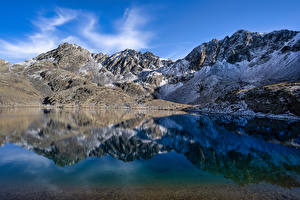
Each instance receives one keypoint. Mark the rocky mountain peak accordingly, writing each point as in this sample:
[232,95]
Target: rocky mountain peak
[66,45]
[149,54]
[99,57]
[131,52]
[241,46]
[238,62]
[131,61]
[241,61]
[67,56]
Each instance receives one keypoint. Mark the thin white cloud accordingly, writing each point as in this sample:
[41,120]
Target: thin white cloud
[41,41]
[51,32]
[128,33]
[35,44]
[62,17]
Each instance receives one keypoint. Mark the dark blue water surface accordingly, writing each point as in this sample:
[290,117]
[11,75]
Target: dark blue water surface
[58,148]
[23,166]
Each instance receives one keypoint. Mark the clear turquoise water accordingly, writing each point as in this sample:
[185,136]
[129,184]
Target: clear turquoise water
[57,149]
[22,166]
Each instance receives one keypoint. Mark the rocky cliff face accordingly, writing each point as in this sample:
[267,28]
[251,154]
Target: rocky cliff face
[70,75]
[130,61]
[243,61]
[129,71]
[274,99]
[241,46]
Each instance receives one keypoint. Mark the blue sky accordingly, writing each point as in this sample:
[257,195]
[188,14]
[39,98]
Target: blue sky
[168,28]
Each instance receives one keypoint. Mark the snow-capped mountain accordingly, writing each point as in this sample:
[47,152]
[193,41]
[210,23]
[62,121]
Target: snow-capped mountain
[244,60]
[210,72]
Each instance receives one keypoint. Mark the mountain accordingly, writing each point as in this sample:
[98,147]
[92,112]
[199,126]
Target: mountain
[218,76]
[244,60]
[68,75]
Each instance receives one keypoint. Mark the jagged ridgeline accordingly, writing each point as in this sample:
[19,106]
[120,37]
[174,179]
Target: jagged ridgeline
[221,75]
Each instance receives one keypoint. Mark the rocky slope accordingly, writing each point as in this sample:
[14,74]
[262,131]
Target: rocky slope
[14,87]
[244,60]
[276,99]
[120,70]
[208,76]
[58,78]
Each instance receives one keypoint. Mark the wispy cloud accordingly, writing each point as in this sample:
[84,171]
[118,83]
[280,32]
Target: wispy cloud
[128,33]
[62,17]
[42,40]
[50,32]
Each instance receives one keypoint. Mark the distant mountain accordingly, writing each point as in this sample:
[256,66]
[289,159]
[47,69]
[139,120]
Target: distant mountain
[220,76]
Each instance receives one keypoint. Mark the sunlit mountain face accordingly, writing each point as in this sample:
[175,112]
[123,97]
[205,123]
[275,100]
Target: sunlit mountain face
[95,149]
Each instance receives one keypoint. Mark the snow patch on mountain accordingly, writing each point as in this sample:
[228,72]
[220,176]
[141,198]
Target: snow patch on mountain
[267,66]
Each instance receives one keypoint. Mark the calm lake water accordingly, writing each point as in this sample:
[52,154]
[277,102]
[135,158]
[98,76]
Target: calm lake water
[119,154]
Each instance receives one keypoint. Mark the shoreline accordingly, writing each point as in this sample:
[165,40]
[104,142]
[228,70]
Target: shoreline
[217,191]
[95,107]
[191,109]
[285,117]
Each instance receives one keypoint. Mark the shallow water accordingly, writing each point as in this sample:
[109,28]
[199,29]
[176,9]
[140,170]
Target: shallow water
[117,154]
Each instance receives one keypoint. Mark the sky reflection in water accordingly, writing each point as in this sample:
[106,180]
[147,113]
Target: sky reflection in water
[106,148]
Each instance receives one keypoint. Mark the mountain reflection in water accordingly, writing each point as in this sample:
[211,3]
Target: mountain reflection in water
[244,150]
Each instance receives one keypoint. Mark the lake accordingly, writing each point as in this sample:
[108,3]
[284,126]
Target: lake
[122,154]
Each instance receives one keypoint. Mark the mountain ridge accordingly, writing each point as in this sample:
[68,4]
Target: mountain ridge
[242,61]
